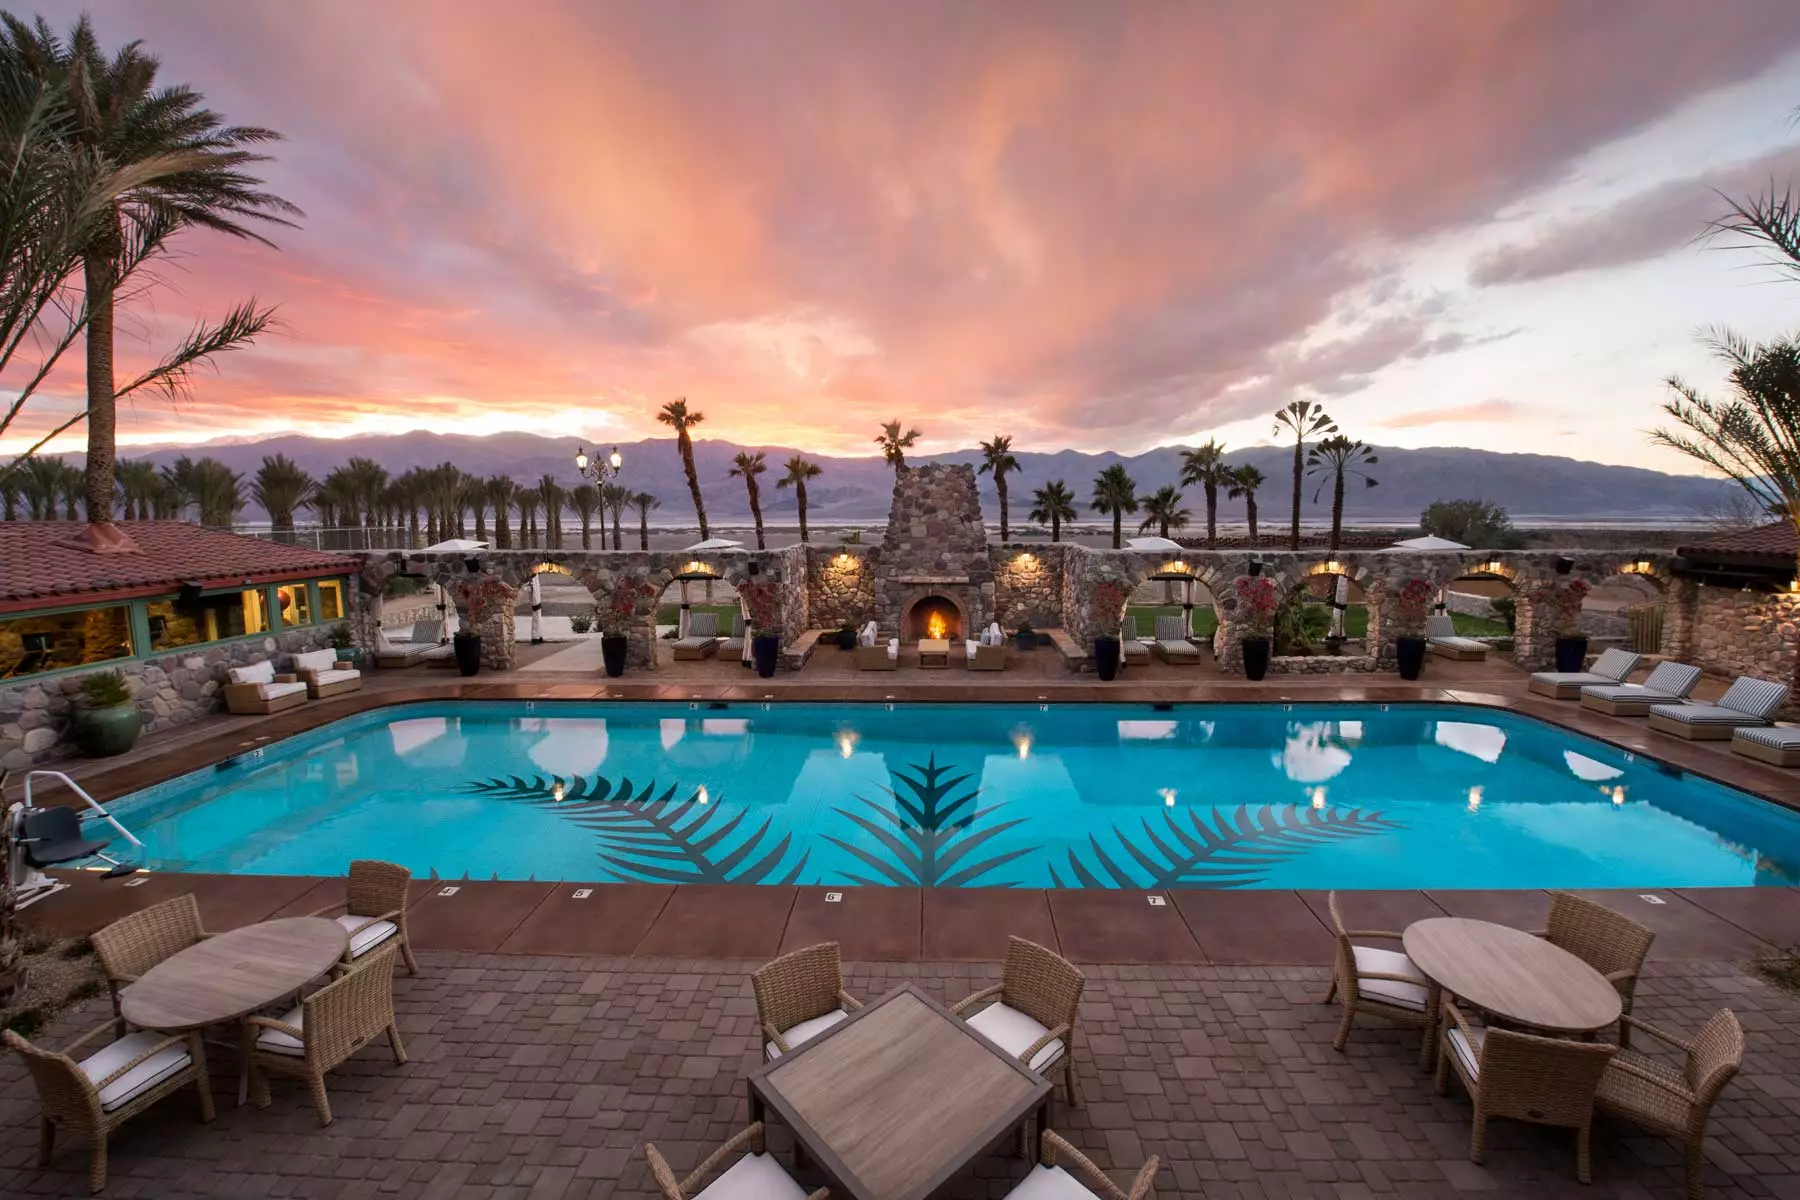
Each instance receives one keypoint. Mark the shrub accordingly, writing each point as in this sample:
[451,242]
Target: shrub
[581,622]
[1506,609]
[105,689]
[340,636]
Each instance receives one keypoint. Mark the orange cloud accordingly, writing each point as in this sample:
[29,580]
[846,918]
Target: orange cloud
[1483,412]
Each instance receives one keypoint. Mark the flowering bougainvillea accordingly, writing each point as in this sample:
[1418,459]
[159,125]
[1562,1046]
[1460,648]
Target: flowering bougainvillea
[1256,602]
[1412,604]
[1109,597]
[761,604]
[1565,607]
[620,612]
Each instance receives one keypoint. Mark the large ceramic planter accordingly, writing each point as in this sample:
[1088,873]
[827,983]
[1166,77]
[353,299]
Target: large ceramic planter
[468,652]
[1025,639]
[1411,653]
[352,655]
[846,639]
[1106,657]
[612,652]
[1256,657]
[104,732]
[765,652]
[1571,652]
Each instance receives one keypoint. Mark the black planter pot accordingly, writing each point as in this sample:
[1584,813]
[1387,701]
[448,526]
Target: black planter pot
[1411,653]
[765,652]
[846,639]
[468,652]
[1106,657]
[1025,639]
[1256,657]
[1571,652]
[612,652]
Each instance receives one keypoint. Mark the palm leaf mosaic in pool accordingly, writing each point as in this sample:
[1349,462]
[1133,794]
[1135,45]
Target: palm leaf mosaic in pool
[1211,848]
[646,835]
[930,833]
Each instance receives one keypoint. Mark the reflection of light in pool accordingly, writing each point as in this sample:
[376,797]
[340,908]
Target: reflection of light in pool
[846,742]
[1168,795]
[1022,743]
[1475,794]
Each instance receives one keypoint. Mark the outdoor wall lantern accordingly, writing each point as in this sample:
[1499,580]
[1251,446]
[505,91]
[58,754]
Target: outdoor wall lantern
[1564,564]
[1254,567]
[471,564]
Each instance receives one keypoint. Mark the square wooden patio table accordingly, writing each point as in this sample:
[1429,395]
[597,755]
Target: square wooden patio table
[934,652]
[895,1101]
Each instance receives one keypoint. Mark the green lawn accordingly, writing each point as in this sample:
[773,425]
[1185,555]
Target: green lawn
[1356,621]
[670,614]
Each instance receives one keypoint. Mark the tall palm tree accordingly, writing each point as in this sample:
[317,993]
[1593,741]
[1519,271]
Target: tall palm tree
[1304,419]
[502,494]
[1163,510]
[895,444]
[280,487]
[217,492]
[799,470]
[997,459]
[409,496]
[553,495]
[1115,492]
[644,502]
[584,498]
[747,466]
[1244,482]
[527,501]
[473,495]
[40,485]
[617,498]
[137,484]
[9,497]
[1205,466]
[675,414]
[1053,504]
[368,479]
[1336,458]
[122,117]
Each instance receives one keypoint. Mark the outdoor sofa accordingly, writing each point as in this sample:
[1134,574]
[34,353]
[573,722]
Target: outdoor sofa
[1667,683]
[323,676]
[1442,638]
[1747,702]
[871,655]
[987,652]
[414,651]
[1613,667]
[256,690]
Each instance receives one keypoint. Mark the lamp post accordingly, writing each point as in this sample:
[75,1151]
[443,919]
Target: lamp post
[598,469]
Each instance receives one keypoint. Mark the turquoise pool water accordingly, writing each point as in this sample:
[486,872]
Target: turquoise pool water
[1128,796]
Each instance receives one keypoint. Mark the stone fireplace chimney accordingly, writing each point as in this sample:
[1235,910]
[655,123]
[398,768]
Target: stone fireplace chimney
[935,548]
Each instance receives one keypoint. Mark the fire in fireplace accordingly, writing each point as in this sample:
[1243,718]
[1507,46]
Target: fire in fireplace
[933,617]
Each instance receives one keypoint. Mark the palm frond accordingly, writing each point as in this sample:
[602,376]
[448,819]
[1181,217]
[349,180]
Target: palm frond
[930,834]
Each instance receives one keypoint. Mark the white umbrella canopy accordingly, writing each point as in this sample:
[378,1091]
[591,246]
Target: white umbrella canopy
[455,546]
[717,544]
[1425,543]
[1153,543]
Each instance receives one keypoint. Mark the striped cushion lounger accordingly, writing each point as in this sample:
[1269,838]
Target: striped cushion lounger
[1172,645]
[1668,683]
[1778,745]
[1746,702]
[1611,668]
[702,640]
[1440,634]
[1131,648]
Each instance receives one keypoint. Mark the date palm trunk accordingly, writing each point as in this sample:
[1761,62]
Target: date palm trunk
[1000,490]
[1337,511]
[1212,515]
[1299,470]
[800,499]
[686,445]
[97,269]
[1250,516]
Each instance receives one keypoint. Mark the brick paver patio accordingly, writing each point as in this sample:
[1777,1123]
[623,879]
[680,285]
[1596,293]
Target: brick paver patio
[542,1077]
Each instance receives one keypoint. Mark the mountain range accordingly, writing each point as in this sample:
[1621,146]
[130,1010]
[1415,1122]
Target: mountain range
[1529,486]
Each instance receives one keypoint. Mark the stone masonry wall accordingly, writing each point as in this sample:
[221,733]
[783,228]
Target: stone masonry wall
[935,544]
[840,586]
[1028,586]
[1746,633]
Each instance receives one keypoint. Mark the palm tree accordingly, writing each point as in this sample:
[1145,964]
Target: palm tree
[747,466]
[502,494]
[895,444]
[1205,466]
[584,498]
[9,497]
[644,502]
[281,487]
[676,415]
[997,458]
[553,495]
[1304,419]
[40,484]
[472,491]
[216,490]
[617,498]
[1243,482]
[121,117]
[1163,510]
[527,501]
[408,492]
[137,484]
[1053,504]
[1773,219]
[1115,492]
[1335,458]
[799,470]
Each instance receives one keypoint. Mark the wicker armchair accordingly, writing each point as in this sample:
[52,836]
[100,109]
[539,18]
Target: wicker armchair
[329,1026]
[1048,1179]
[374,910]
[97,1094]
[799,996]
[1034,1011]
[1523,1077]
[1610,942]
[132,945]
[1382,983]
[1676,1103]
[756,1176]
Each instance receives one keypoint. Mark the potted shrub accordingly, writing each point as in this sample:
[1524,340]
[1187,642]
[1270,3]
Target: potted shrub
[1256,607]
[105,721]
[758,597]
[1412,603]
[467,647]
[345,645]
[846,637]
[1109,602]
[1571,642]
[1026,637]
[616,620]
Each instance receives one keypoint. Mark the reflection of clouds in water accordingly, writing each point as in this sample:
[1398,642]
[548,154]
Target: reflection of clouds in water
[725,726]
[673,730]
[568,746]
[428,741]
[1477,741]
[1312,755]
[1583,767]
[1146,731]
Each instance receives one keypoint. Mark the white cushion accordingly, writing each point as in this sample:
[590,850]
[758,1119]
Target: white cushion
[139,1079]
[277,1042]
[1373,961]
[1468,1055]
[1014,1032]
[867,636]
[338,676]
[275,691]
[257,672]
[315,660]
[805,1031]
[1050,1183]
[383,643]
[753,1177]
[893,647]
[370,934]
[973,646]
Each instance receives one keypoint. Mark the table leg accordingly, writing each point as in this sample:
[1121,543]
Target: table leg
[755,1102]
[246,1040]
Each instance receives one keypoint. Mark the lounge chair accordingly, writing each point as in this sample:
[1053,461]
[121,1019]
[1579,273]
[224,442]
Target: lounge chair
[323,676]
[1382,983]
[414,651]
[1613,667]
[732,645]
[1172,644]
[988,652]
[1667,683]
[702,640]
[373,910]
[1048,1181]
[755,1176]
[799,996]
[871,655]
[1777,745]
[256,689]
[1746,702]
[1675,1101]
[1132,649]
[1441,637]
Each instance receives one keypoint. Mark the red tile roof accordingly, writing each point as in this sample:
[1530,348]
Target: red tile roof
[47,560]
[1778,542]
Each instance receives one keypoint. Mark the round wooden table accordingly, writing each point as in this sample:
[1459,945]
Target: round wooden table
[233,974]
[1521,979]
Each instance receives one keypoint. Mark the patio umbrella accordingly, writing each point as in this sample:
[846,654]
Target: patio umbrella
[455,546]
[1153,543]
[717,544]
[537,611]
[1424,543]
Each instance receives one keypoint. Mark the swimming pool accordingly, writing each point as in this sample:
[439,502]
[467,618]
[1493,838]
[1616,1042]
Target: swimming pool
[987,795]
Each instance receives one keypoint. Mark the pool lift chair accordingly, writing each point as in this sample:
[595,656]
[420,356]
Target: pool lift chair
[55,836]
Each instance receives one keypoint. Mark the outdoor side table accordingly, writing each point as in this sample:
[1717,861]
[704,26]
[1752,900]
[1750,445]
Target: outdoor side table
[934,652]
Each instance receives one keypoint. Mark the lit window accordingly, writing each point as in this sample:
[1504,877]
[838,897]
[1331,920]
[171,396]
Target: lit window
[331,600]
[296,604]
[31,645]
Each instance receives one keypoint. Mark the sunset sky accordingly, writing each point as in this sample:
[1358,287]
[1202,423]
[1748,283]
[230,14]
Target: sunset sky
[1106,226]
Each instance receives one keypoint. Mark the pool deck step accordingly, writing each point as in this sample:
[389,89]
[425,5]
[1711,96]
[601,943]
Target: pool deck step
[1243,928]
